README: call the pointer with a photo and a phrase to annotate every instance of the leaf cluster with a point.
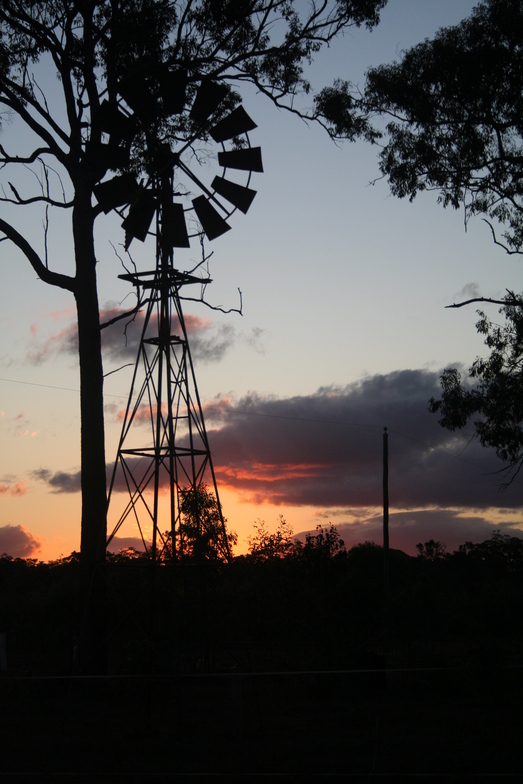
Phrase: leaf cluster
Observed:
(432, 550)
(203, 529)
(264, 545)
(320, 546)
(502, 552)
(456, 104)
(495, 402)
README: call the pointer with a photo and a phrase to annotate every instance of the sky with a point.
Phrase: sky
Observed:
(344, 331)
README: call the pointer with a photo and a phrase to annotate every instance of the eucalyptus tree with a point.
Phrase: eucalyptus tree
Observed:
(453, 112)
(454, 105)
(127, 73)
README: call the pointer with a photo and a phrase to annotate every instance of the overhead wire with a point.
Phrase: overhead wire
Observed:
(313, 420)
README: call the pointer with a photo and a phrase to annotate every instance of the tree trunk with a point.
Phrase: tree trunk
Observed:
(92, 659)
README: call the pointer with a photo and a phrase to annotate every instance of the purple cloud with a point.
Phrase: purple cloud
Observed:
(17, 541)
(60, 481)
(325, 449)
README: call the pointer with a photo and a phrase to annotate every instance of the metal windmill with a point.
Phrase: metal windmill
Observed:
(158, 465)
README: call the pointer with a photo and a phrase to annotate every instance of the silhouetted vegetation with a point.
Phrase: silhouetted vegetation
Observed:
(286, 605)
(283, 660)
(203, 531)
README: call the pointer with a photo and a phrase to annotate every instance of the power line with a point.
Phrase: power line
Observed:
(52, 386)
(313, 420)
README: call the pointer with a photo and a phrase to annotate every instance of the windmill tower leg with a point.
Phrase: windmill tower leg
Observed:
(163, 464)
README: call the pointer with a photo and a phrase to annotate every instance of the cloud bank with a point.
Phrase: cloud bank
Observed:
(60, 481)
(325, 451)
(17, 541)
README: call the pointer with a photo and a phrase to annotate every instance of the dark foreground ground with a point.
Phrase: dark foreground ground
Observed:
(288, 667)
(453, 723)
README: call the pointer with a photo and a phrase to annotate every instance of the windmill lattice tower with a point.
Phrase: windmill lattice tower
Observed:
(163, 450)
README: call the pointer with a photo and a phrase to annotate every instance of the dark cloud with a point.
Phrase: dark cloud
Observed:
(17, 541)
(70, 481)
(64, 341)
(325, 449)
(60, 481)
(471, 290)
(208, 343)
(256, 340)
(212, 348)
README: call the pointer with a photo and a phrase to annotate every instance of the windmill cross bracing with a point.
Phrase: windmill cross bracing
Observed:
(163, 448)
(163, 462)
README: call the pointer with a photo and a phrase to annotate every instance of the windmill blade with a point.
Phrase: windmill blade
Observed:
(236, 194)
(234, 124)
(174, 229)
(209, 96)
(115, 192)
(212, 222)
(140, 216)
(248, 159)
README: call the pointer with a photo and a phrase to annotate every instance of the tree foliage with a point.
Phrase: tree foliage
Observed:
(492, 397)
(432, 550)
(203, 530)
(319, 546)
(279, 613)
(501, 552)
(456, 103)
(322, 545)
(264, 545)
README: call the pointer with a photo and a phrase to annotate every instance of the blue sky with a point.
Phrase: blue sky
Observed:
(344, 331)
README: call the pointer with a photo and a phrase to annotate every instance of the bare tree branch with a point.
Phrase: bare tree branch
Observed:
(34, 200)
(25, 159)
(216, 307)
(483, 299)
(117, 370)
(126, 314)
(53, 278)
(501, 244)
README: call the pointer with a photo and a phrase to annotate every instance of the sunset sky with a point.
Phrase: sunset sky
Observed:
(344, 332)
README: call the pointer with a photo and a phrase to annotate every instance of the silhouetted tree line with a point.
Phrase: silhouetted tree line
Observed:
(286, 604)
